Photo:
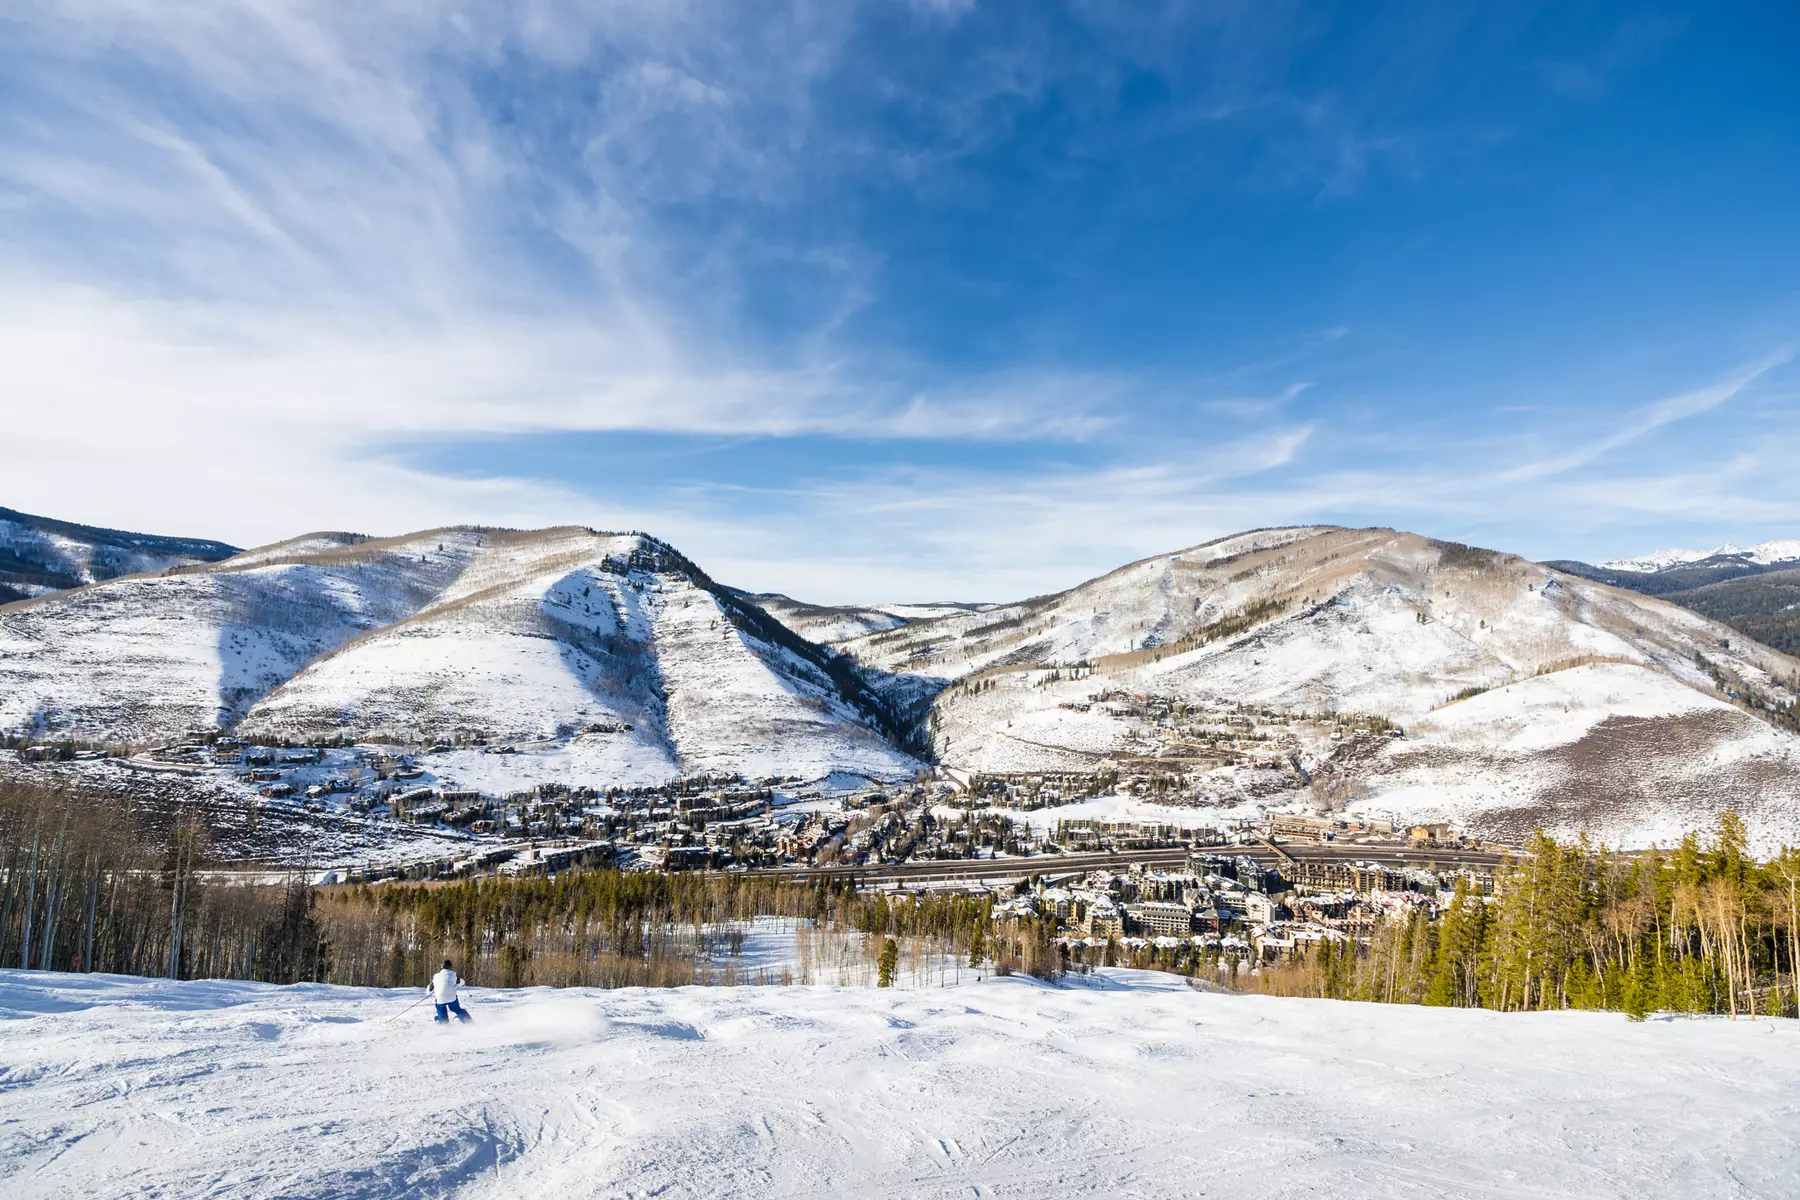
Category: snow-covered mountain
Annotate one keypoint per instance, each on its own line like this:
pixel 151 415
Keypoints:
pixel 1764 606
pixel 39 555
pixel 832 624
pixel 1784 551
pixel 1528 696
pixel 821 622
pixel 1666 572
pixel 1752 590
pixel 614 648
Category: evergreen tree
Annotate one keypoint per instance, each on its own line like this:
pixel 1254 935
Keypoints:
pixel 889 964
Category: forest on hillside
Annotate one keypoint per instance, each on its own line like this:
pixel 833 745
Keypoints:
pixel 1765 607
pixel 1702 928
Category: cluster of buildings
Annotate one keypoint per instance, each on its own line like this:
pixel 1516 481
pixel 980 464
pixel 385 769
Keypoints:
pixel 720 822
pixel 1181 752
pixel 1225 903
pixel 1034 790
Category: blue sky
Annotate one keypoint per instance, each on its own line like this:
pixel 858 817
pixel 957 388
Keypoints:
pixel 864 301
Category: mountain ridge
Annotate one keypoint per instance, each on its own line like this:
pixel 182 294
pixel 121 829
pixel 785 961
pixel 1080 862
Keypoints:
pixel 1154 664
pixel 462 634
pixel 41 555
pixel 1315 667
pixel 1763 554
pixel 1750 590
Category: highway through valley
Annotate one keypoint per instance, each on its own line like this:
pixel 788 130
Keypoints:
pixel 986 870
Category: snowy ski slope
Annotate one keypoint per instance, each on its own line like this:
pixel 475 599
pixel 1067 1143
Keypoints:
pixel 1126 1084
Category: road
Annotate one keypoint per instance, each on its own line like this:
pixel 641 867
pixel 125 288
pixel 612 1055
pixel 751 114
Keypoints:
pixel 998 870
pixel 972 870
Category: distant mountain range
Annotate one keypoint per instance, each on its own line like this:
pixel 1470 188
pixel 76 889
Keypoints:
pixel 1764 555
pixel 1313 667
pixel 1755 590
pixel 39 555
pixel 840 623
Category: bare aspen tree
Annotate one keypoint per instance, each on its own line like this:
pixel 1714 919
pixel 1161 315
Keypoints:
pixel 30 905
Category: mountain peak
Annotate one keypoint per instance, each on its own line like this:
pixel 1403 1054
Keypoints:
pixel 461 636
pixel 1763 554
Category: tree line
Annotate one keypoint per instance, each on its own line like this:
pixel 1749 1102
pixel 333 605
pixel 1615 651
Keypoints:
pixel 80 891
pixel 86 886
pixel 1705 927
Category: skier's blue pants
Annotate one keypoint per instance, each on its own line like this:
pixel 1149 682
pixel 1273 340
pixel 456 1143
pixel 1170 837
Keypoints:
pixel 455 1006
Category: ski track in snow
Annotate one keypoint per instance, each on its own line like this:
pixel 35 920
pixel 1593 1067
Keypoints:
pixel 1126 1084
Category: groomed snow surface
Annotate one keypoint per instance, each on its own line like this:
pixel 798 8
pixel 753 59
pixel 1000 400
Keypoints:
pixel 1127 1084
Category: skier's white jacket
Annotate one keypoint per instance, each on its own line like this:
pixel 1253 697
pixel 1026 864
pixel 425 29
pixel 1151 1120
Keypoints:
pixel 443 986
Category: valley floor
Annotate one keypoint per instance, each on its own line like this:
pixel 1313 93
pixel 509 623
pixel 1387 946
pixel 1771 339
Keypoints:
pixel 1122 1084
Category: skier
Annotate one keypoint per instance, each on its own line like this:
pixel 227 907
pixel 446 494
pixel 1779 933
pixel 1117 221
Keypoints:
pixel 443 990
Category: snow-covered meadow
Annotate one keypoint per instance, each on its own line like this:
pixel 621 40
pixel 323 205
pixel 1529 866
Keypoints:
pixel 1124 1084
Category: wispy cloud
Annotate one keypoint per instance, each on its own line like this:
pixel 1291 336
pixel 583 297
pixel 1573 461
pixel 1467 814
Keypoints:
pixel 248 252
pixel 1637 425
pixel 1254 406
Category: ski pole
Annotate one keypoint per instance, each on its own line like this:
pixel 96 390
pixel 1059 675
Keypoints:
pixel 407 1009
